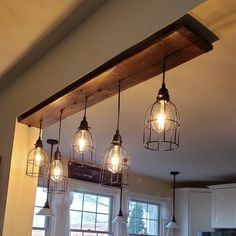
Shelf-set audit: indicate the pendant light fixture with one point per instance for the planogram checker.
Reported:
(162, 123)
(83, 146)
(172, 224)
(120, 218)
(37, 157)
(116, 163)
(47, 210)
(57, 171)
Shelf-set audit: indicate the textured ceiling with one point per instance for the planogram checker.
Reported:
(204, 93)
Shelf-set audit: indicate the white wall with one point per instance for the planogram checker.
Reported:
(116, 26)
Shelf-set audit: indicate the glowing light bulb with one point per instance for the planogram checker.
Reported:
(57, 171)
(161, 117)
(115, 160)
(82, 141)
(38, 156)
(159, 121)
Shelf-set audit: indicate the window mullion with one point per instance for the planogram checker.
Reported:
(96, 213)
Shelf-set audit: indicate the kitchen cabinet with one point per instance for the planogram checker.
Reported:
(224, 206)
(193, 211)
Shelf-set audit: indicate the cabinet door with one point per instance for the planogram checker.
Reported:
(199, 212)
(224, 208)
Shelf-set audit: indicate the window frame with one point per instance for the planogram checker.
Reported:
(151, 202)
(47, 220)
(109, 233)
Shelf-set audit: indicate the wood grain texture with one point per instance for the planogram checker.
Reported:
(133, 66)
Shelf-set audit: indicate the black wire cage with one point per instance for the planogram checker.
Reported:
(56, 173)
(53, 181)
(115, 175)
(87, 155)
(37, 158)
(162, 122)
(161, 129)
(83, 145)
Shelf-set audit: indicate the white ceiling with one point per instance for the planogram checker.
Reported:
(27, 21)
(204, 93)
(25, 24)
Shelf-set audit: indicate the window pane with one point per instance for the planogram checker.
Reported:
(40, 197)
(39, 221)
(95, 212)
(90, 234)
(132, 205)
(88, 221)
(38, 232)
(102, 222)
(103, 204)
(152, 227)
(76, 234)
(77, 201)
(152, 212)
(90, 202)
(143, 218)
(75, 220)
(141, 210)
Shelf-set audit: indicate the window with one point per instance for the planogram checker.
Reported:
(143, 218)
(40, 222)
(90, 215)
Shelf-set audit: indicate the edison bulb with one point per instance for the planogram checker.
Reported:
(82, 141)
(160, 120)
(39, 156)
(57, 171)
(115, 159)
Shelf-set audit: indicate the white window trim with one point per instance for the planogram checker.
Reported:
(93, 188)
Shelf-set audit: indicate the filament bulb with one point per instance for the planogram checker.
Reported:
(57, 171)
(39, 156)
(159, 117)
(115, 159)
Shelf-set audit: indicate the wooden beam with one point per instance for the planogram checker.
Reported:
(133, 66)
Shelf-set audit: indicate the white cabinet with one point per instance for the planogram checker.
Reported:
(193, 211)
(224, 206)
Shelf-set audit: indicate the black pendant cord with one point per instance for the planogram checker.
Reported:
(164, 71)
(174, 200)
(40, 128)
(85, 105)
(48, 184)
(59, 134)
(121, 200)
(118, 118)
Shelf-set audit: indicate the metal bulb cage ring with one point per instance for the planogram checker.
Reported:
(88, 156)
(161, 133)
(33, 169)
(52, 186)
(122, 177)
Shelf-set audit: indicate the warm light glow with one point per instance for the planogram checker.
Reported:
(115, 160)
(38, 156)
(159, 123)
(82, 141)
(57, 171)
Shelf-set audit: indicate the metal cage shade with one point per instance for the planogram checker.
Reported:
(37, 158)
(55, 177)
(83, 148)
(115, 170)
(162, 126)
